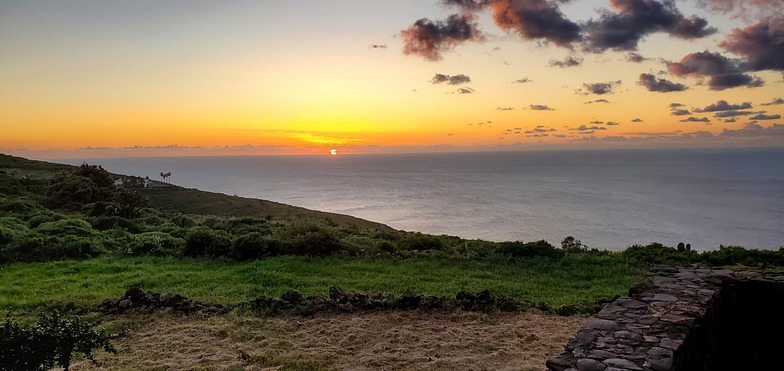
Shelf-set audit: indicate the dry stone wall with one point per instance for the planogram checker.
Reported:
(685, 319)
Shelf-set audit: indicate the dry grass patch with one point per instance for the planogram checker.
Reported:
(371, 341)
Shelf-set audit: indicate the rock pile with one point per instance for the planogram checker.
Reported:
(293, 302)
(137, 301)
(670, 322)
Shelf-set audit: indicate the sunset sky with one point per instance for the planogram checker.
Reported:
(92, 78)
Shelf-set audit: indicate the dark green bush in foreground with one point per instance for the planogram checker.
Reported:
(51, 342)
(530, 249)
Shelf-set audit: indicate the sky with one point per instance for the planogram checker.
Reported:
(110, 78)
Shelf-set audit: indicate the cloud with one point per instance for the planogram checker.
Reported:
(612, 123)
(680, 112)
(534, 19)
(569, 61)
(695, 119)
(428, 39)
(599, 88)
(652, 83)
(450, 80)
(754, 130)
(763, 116)
(674, 105)
(530, 19)
(597, 101)
(761, 44)
(732, 113)
(730, 120)
(465, 91)
(505, 108)
(635, 19)
(744, 8)
(723, 73)
(540, 129)
(541, 107)
(775, 101)
(588, 129)
(635, 57)
(377, 46)
(637, 120)
(597, 122)
(524, 80)
(723, 105)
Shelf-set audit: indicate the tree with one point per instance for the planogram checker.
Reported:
(570, 244)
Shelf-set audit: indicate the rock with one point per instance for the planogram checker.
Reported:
(601, 324)
(134, 294)
(292, 296)
(336, 293)
(622, 363)
(409, 300)
(587, 364)
(558, 364)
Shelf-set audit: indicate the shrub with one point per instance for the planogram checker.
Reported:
(51, 342)
(316, 242)
(530, 249)
(421, 242)
(11, 228)
(734, 255)
(656, 253)
(201, 241)
(104, 223)
(66, 227)
(39, 219)
(254, 245)
(156, 244)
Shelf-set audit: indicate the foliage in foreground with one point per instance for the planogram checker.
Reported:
(52, 341)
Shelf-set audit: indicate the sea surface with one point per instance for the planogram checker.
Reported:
(608, 199)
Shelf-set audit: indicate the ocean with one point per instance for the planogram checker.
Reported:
(608, 199)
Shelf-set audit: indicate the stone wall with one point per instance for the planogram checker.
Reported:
(685, 319)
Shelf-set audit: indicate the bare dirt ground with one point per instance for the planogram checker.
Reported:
(369, 341)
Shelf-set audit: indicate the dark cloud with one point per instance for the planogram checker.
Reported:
(635, 57)
(761, 44)
(774, 102)
(505, 108)
(569, 61)
(754, 130)
(597, 122)
(652, 83)
(744, 8)
(695, 119)
(428, 39)
(541, 107)
(540, 129)
(534, 19)
(637, 120)
(378, 46)
(763, 116)
(450, 80)
(730, 120)
(612, 123)
(722, 72)
(680, 112)
(674, 105)
(632, 20)
(465, 91)
(723, 105)
(597, 101)
(732, 113)
(524, 80)
(588, 129)
(599, 88)
(467, 4)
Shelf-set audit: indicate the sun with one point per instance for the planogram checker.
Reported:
(333, 152)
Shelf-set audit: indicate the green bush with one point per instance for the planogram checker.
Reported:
(735, 255)
(313, 240)
(156, 244)
(104, 223)
(51, 342)
(10, 228)
(530, 249)
(254, 245)
(205, 241)
(39, 219)
(67, 227)
(421, 242)
(656, 253)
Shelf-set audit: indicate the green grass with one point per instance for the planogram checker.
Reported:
(571, 280)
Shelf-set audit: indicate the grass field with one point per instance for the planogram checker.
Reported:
(572, 280)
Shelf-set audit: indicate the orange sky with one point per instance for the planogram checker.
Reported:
(200, 77)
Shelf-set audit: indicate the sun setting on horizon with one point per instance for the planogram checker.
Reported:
(161, 78)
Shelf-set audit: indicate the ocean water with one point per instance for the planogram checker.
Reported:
(607, 199)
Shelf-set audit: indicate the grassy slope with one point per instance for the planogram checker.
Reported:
(193, 201)
(571, 280)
